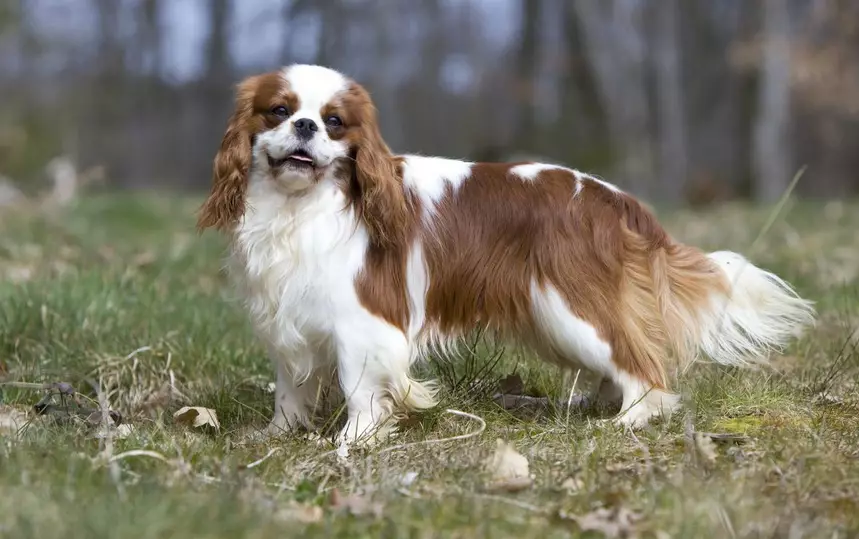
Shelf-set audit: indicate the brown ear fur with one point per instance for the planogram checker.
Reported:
(377, 171)
(226, 202)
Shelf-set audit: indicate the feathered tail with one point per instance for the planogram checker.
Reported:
(722, 306)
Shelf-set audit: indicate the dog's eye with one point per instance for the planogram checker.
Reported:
(333, 121)
(280, 110)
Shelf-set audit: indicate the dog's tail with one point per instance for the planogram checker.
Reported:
(721, 306)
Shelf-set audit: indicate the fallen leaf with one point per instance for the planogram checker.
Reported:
(572, 484)
(196, 416)
(706, 448)
(408, 478)
(825, 397)
(118, 433)
(300, 512)
(144, 258)
(614, 522)
(11, 419)
(508, 469)
(355, 504)
(96, 418)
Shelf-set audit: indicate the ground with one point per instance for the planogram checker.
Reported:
(118, 297)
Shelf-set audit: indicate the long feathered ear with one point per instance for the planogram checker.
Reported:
(377, 172)
(226, 202)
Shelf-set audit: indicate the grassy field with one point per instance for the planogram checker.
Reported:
(118, 297)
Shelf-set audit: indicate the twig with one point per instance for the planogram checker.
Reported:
(572, 392)
(138, 453)
(139, 350)
(779, 205)
(472, 434)
(106, 419)
(256, 463)
(511, 501)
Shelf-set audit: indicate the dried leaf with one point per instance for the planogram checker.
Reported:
(408, 478)
(144, 258)
(572, 485)
(355, 504)
(96, 418)
(614, 522)
(509, 469)
(827, 398)
(11, 419)
(706, 448)
(118, 433)
(196, 416)
(300, 512)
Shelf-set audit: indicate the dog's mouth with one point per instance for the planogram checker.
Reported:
(297, 159)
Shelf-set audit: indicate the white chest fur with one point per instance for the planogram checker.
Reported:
(296, 259)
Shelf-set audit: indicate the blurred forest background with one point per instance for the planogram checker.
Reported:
(679, 101)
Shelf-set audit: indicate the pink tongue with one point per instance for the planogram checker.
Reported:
(301, 158)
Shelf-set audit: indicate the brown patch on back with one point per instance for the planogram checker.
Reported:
(499, 233)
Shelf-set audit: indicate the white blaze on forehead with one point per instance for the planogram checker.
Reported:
(315, 86)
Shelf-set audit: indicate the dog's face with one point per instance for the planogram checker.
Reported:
(298, 126)
(305, 111)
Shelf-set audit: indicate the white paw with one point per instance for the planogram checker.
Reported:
(635, 418)
(656, 404)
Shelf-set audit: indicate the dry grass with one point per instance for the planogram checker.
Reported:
(118, 297)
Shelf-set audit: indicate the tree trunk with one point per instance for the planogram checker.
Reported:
(525, 77)
(614, 41)
(672, 121)
(772, 159)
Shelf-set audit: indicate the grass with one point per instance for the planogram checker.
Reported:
(120, 298)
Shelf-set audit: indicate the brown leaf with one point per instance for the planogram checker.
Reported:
(196, 416)
(508, 469)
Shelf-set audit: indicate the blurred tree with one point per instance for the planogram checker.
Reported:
(672, 117)
(525, 72)
(772, 150)
(614, 39)
(678, 97)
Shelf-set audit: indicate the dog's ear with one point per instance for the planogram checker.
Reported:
(383, 204)
(226, 202)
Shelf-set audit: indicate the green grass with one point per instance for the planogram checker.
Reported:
(118, 293)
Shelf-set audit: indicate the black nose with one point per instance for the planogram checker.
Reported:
(305, 128)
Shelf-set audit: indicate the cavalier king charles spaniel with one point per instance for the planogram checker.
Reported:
(353, 262)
